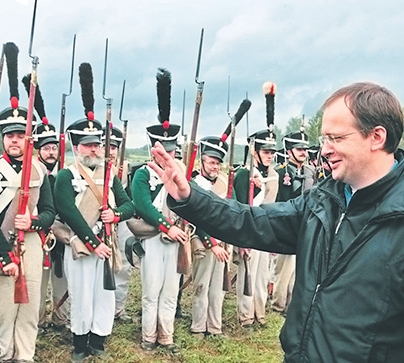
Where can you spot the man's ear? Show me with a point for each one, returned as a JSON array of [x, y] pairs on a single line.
[[378, 137]]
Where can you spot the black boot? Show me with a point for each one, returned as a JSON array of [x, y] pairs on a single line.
[[96, 345], [80, 347]]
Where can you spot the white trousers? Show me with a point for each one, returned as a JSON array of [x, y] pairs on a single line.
[[160, 284], [19, 322], [283, 282], [252, 308], [208, 294], [123, 276], [91, 306], [58, 289]]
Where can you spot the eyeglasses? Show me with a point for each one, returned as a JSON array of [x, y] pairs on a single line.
[[50, 148], [331, 139], [212, 164]]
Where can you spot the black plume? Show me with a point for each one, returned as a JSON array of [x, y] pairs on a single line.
[[269, 92], [243, 108], [163, 94], [246, 152], [86, 83], [11, 54], [39, 105]]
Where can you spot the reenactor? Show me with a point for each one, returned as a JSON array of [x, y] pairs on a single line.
[[80, 203], [295, 177], [159, 276], [46, 144], [208, 252], [122, 276], [20, 265], [47, 147], [256, 185]]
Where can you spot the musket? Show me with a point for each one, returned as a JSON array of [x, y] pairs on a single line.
[[1, 62], [246, 118], [193, 147], [62, 137], [124, 135], [231, 130], [109, 278], [21, 290], [247, 291], [184, 146]]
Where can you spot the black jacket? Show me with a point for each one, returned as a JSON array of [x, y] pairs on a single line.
[[348, 299]]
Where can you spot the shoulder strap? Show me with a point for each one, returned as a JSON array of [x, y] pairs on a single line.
[[90, 183]]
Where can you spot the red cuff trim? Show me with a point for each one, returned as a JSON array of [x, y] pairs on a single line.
[[213, 242], [209, 242], [116, 219], [90, 247], [165, 225], [163, 228]]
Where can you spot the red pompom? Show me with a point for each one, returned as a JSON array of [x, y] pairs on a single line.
[[166, 125], [90, 115], [224, 137], [14, 102], [45, 120]]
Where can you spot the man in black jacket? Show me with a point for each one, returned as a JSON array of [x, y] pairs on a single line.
[[346, 233]]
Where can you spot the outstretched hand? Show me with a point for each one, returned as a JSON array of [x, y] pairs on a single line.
[[170, 173]]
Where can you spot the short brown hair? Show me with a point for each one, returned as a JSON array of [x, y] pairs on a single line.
[[373, 105]]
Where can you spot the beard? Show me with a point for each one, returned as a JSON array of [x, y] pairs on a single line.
[[90, 162]]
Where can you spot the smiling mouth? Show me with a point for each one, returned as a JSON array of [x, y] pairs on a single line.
[[334, 163]]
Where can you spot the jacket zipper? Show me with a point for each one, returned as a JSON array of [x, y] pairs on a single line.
[[307, 319], [315, 294], [339, 223]]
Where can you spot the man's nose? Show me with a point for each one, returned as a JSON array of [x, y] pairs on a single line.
[[326, 149]]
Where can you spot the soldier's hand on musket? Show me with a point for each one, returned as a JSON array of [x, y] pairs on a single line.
[[23, 221], [244, 251], [257, 181], [103, 251], [177, 234], [221, 254], [170, 173], [11, 269], [107, 215]]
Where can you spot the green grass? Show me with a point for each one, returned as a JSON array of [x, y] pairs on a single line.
[[123, 346]]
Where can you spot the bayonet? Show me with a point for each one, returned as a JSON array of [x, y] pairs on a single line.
[[192, 148], [124, 134], [62, 137]]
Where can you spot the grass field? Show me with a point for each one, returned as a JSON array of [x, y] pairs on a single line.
[[123, 346]]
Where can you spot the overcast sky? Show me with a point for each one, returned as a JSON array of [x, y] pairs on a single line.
[[309, 48]]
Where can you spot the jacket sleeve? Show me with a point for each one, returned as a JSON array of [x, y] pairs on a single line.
[[46, 209], [6, 255], [208, 241], [125, 207], [271, 227], [142, 199], [241, 185]]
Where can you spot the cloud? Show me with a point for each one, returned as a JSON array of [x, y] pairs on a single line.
[[308, 48]]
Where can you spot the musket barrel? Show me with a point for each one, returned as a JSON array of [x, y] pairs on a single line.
[[109, 278], [198, 102]]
